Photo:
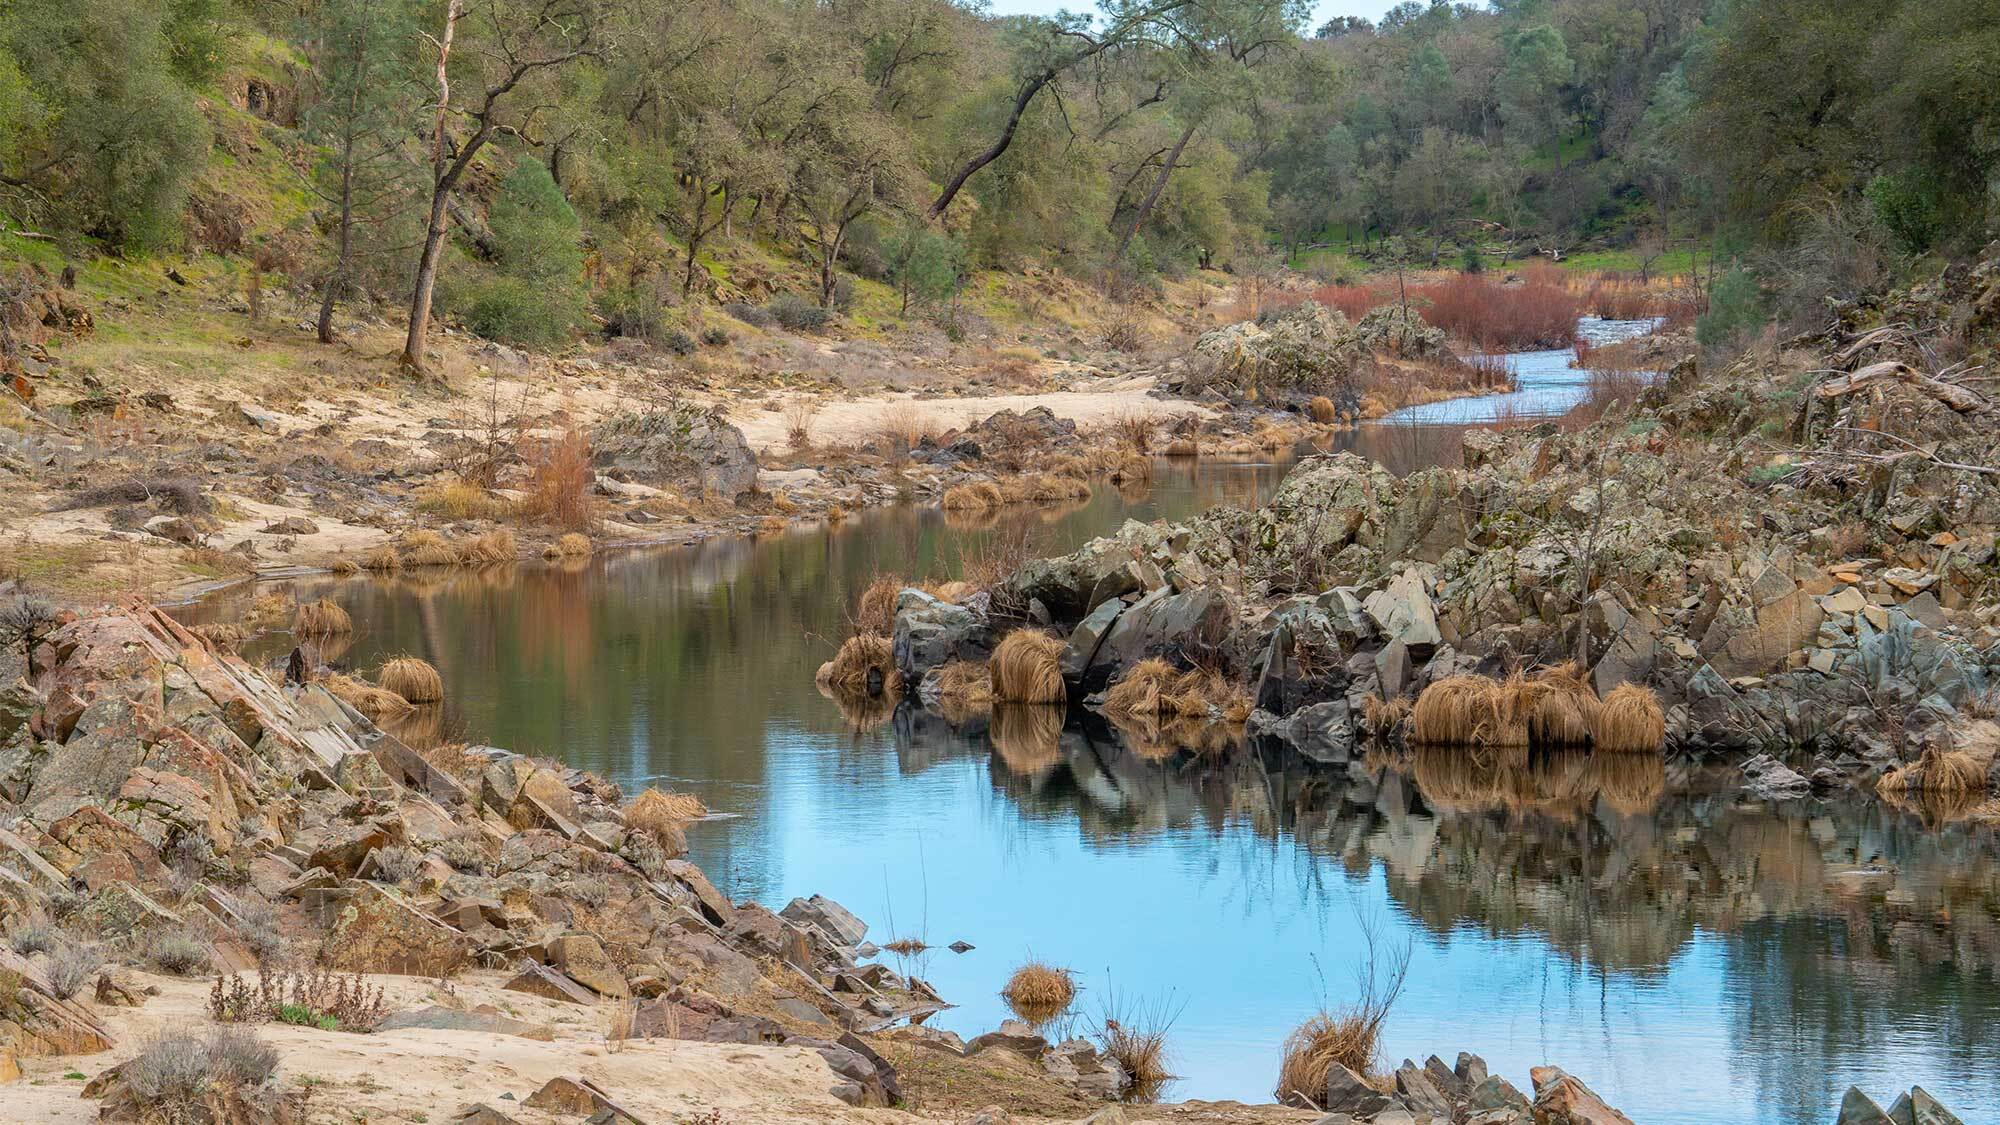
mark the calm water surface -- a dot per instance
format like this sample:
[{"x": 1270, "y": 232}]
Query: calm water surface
[{"x": 1694, "y": 955}]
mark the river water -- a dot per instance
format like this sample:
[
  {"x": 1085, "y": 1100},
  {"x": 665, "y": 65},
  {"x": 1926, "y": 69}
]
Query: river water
[{"x": 1694, "y": 955}]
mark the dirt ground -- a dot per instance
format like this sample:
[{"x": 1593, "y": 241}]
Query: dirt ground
[{"x": 412, "y": 1075}]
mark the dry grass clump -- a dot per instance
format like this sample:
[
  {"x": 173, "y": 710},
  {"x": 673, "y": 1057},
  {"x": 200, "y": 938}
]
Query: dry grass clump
[
  {"x": 1054, "y": 487},
  {"x": 875, "y": 609},
  {"x": 1380, "y": 717},
  {"x": 1630, "y": 721},
  {"x": 560, "y": 479},
  {"x": 1322, "y": 410},
  {"x": 1182, "y": 447},
  {"x": 1038, "y": 991},
  {"x": 1027, "y": 668},
  {"x": 1315, "y": 1046},
  {"x": 382, "y": 560},
  {"x": 1132, "y": 468},
  {"x": 463, "y": 500},
  {"x": 977, "y": 496},
  {"x": 413, "y": 679},
  {"x": 484, "y": 550},
  {"x": 574, "y": 545},
  {"x": 864, "y": 666},
  {"x": 964, "y": 691},
  {"x": 953, "y": 591},
  {"x": 1937, "y": 771},
  {"x": 221, "y": 636},
  {"x": 1452, "y": 710},
  {"x": 1135, "y": 431},
  {"x": 321, "y": 619},
  {"x": 1564, "y": 712},
  {"x": 372, "y": 701},
  {"x": 427, "y": 548},
  {"x": 1026, "y": 736},
  {"x": 1155, "y": 689},
  {"x": 666, "y": 817},
  {"x": 344, "y": 567}
]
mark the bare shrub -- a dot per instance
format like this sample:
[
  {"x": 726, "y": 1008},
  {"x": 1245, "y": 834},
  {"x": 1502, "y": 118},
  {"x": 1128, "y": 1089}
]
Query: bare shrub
[
  {"x": 178, "y": 954},
  {"x": 560, "y": 480},
  {"x": 1135, "y": 1034},
  {"x": 71, "y": 965},
  {"x": 32, "y": 937},
  {"x": 180, "y": 1067},
  {"x": 316, "y": 997},
  {"x": 1348, "y": 1037},
  {"x": 397, "y": 864},
  {"x": 799, "y": 415}
]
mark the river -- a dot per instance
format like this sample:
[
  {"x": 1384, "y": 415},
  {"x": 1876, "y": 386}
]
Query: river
[{"x": 1694, "y": 955}]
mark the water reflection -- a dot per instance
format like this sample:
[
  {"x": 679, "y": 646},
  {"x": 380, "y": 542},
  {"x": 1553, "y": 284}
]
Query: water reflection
[{"x": 1696, "y": 956}]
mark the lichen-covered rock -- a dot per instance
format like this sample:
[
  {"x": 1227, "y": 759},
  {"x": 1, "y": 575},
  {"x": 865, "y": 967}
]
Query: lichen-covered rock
[{"x": 691, "y": 449}]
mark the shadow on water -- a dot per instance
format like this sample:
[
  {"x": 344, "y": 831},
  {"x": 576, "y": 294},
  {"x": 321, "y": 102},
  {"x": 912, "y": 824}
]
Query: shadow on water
[{"x": 1697, "y": 957}]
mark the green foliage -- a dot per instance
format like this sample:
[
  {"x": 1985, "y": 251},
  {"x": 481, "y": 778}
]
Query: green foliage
[
  {"x": 537, "y": 298},
  {"x": 926, "y": 266},
  {"x": 198, "y": 35},
  {"x": 109, "y": 136},
  {"x": 1735, "y": 309},
  {"x": 1908, "y": 207},
  {"x": 298, "y": 1015}
]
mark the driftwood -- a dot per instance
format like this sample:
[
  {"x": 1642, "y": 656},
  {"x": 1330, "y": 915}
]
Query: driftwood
[
  {"x": 1911, "y": 451},
  {"x": 1959, "y": 398}
]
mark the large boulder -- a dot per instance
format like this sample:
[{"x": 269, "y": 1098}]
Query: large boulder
[
  {"x": 688, "y": 448},
  {"x": 1163, "y": 623},
  {"x": 1070, "y": 586},
  {"x": 1309, "y": 349},
  {"x": 930, "y": 631},
  {"x": 375, "y": 929}
]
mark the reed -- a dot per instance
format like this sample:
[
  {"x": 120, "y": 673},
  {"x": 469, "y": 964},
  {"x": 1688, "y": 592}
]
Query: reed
[
  {"x": 413, "y": 679},
  {"x": 1027, "y": 668}
]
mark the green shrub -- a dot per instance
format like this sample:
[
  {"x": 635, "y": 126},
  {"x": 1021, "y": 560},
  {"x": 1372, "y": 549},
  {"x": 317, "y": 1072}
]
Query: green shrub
[
  {"x": 715, "y": 337},
  {"x": 677, "y": 342},
  {"x": 510, "y": 310},
  {"x": 1735, "y": 309}
]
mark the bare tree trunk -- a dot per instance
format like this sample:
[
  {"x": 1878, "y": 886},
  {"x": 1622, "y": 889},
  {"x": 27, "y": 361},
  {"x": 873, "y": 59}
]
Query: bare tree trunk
[
  {"x": 1153, "y": 193},
  {"x": 441, "y": 185},
  {"x": 338, "y": 277}
]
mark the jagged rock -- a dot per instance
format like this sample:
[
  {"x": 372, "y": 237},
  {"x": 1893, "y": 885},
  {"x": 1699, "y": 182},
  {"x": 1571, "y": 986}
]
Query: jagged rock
[
  {"x": 688, "y": 448},
  {"x": 1403, "y": 612},
  {"x": 1857, "y": 1108},
  {"x": 832, "y": 919},
  {"x": 1163, "y": 623},
  {"x": 1492, "y": 1092},
  {"x": 1415, "y": 1086},
  {"x": 377, "y": 930},
  {"x": 1071, "y": 585},
  {"x": 581, "y": 957},
  {"x": 1347, "y": 1092},
  {"x": 1774, "y": 780},
  {"x": 40, "y": 1025},
  {"x": 930, "y": 632},
  {"x": 539, "y": 980},
  {"x": 1563, "y": 1099},
  {"x": 1011, "y": 1035},
  {"x": 1323, "y": 732}
]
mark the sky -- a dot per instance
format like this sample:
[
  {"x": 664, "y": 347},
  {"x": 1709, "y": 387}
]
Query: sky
[{"x": 1322, "y": 12}]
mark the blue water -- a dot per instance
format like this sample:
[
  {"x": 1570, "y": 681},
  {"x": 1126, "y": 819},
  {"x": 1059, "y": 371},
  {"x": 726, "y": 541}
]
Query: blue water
[
  {"x": 1694, "y": 956},
  {"x": 1546, "y": 383}
]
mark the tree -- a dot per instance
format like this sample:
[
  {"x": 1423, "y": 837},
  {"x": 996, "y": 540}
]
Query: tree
[
  {"x": 846, "y": 167},
  {"x": 365, "y": 95},
  {"x": 1048, "y": 49},
  {"x": 537, "y": 297},
  {"x": 512, "y": 43},
  {"x": 1538, "y": 64},
  {"x": 927, "y": 267},
  {"x": 109, "y": 138},
  {"x": 1435, "y": 185}
]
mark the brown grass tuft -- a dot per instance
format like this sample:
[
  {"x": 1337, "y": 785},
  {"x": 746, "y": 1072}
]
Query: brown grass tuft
[
  {"x": 875, "y": 609},
  {"x": 1630, "y": 721},
  {"x": 560, "y": 479},
  {"x": 1380, "y": 717},
  {"x": 1322, "y": 410},
  {"x": 221, "y": 636},
  {"x": 964, "y": 692},
  {"x": 1451, "y": 711},
  {"x": 1183, "y": 447},
  {"x": 1027, "y": 668},
  {"x": 382, "y": 560},
  {"x": 1038, "y": 992},
  {"x": 484, "y": 550},
  {"x": 413, "y": 679},
  {"x": 1937, "y": 771},
  {"x": 321, "y": 619},
  {"x": 1312, "y": 1049},
  {"x": 372, "y": 701},
  {"x": 977, "y": 496},
  {"x": 344, "y": 567},
  {"x": 1564, "y": 712},
  {"x": 864, "y": 666},
  {"x": 665, "y": 815}
]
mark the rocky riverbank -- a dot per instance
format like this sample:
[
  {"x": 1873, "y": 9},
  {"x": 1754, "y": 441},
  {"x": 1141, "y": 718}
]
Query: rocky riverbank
[
  {"x": 1797, "y": 555},
  {"x": 186, "y": 846}
]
